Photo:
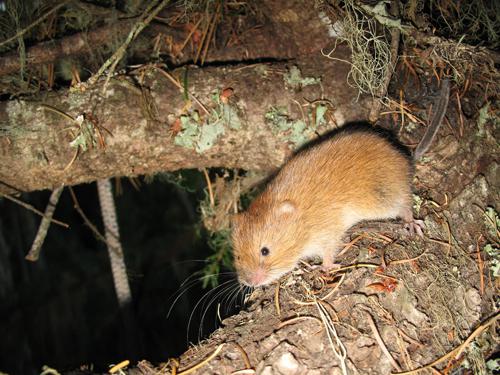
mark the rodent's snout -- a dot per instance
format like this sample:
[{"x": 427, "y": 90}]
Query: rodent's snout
[{"x": 254, "y": 278}]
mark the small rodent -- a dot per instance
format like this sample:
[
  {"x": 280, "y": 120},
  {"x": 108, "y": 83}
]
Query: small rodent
[{"x": 355, "y": 175}]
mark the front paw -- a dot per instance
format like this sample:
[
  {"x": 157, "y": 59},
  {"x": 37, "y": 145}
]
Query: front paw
[
  {"x": 415, "y": 227},
  {"x": 329, "y": 265}
]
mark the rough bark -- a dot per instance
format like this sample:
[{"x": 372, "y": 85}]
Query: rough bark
[{"x": 36, "y": 151}]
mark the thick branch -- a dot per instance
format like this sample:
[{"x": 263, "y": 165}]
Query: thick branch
[
  {"x": 276, "y": 32},
  {"x": 51, "y": 51},
  {"x": 36, "y": 151}
]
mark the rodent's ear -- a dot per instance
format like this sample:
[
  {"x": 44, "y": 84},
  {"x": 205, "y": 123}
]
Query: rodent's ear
[{"x": 286, "y": 207}]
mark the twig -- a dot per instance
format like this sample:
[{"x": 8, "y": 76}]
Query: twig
[
  {"x": 53, "y": 50},
  {"x": 448, "y": 230},
  {"x": 202, "y": 363},
  {"x": 203, "y": 38},
  {"x": 147, "y": 16},
  {"x": 409, "y": 338},
  {"x": 357, "y": 265},
  {"x": 334, "y": 289},
  {"x": 92, "y": 227},
  {"x": 480, "y": 265},
  {"x": 384, "y": 238},
  {"x": 458, "y": 350},
  {"x": 193, "y": 30},
  {"x": 119, "y": 367},
  {"x": 381, "y": 342},
  {"x": 277, "y": 299},
  {"x": 339, "y": 349},
  {"x": 244, "y": 354},
  {"x": 213, "y": 25},
  {"x": 33, "y": 24},
  {"x": 60, "y": 113},
  {"x": 401, "y": 108},
  {"x": 402, "y": 261},
  {"x": 444, "y": 243},
  {"x": 492, "y": 222},
  {"x": 209, "y": 186},
  {"x": 174, "y": 81},
  {"x": 460, "y": 115},
  {"x": 351, "y": 244},
  {"x": 33, "y": 209},
  {"x": 36, "y": 247},
  {"x": 298, "y": 319}
]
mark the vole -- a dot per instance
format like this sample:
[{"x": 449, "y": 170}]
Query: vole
[{"x": 357, "y": 174}]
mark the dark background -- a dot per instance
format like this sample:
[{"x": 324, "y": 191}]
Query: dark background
[{"x": 62, "y": 311}]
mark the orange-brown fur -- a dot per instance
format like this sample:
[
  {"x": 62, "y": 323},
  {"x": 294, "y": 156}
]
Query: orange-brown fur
[{"x": 315, "y": 198}]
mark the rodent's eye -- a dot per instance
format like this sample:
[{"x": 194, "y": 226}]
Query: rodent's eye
[{"x": 264, "y": 251}]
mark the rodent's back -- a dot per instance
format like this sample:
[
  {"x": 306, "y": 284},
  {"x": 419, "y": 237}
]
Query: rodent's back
[{"x": 355, "y": 171}]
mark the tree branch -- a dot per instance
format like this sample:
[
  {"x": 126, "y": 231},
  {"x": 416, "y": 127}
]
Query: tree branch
[{"x": 136, "y": 128}]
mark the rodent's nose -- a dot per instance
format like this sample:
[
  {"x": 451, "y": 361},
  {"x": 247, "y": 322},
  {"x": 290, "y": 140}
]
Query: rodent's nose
[{"x": 257, "y": 277}]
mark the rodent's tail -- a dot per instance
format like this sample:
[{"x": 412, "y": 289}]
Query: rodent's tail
[{"x": 437, "y": 119}]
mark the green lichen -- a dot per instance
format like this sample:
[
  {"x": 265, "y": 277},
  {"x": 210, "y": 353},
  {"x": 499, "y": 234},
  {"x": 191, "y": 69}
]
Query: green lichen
[
  {"x": 379, "y": 11},
  {"x": 225, "y": 111},
  {"x": 202, "y": 135},
  {"x": 190, "y": 132},
  {"x": 417, "y": 203},
  {"x": 295, "y": 131},
  {"x": 85, "y": 137},
  {"x": 494, "y": 263},
  {"x": 278, "y": 118},
  {"x": 295, "y": 80},
  {"x": 230, "y": 116},
  {"x": 299, "y": 133},
  {"x": 208, "y": 136},
  {"x": 22, "y": 120},
  {"x": 493, "y": 365},
  {"x": 320, "y": 115},
  {"x": 483, "y": 118},
  {"x": 492, "y": 221},
  {"x": 262, "y": 70}
]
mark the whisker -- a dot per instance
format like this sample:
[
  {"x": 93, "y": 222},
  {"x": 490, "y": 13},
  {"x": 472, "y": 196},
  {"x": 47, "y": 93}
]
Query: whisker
[
  {"x": 202, "y": 300},
  {"x": 223, "y": 288},
  {"x": 187, "y": 284},
  {"x": 234, "y": 297}
]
